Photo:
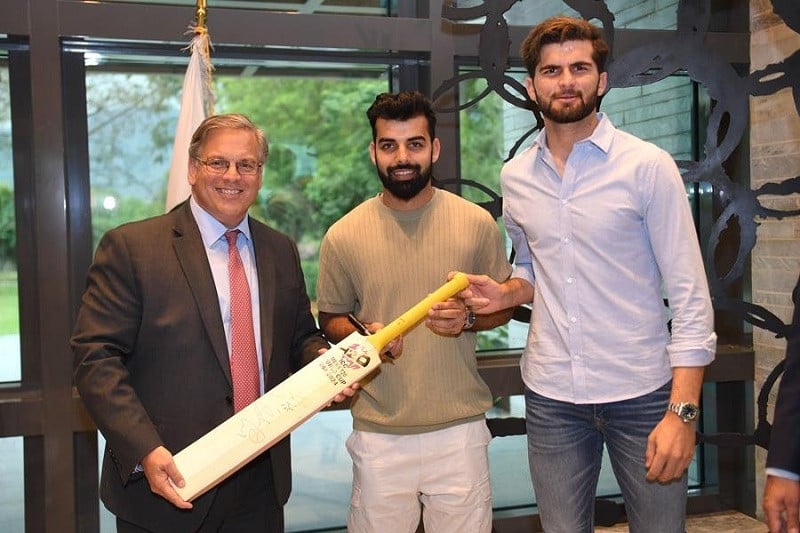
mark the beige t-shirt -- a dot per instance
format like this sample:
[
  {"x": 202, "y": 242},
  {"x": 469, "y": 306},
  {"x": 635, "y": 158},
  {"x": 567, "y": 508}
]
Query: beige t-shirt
[{"x": 377, "y": 263}]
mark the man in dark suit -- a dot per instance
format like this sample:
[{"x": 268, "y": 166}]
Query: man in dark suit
[
  {"x": 782, "y": 490},
  {"x": 152, "y": 341}
]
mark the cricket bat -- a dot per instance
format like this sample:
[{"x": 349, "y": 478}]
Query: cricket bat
[{"x": 232, "y": 444}]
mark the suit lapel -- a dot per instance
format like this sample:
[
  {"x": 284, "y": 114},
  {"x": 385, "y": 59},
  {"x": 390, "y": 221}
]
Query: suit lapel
[
  {"x": 265, "y": 265},
  {"x": 192, "y": 257}
]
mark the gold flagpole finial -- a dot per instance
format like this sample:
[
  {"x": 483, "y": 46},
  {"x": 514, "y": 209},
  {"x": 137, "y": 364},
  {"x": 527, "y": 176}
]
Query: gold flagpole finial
[{"x": 200, "y": 14}]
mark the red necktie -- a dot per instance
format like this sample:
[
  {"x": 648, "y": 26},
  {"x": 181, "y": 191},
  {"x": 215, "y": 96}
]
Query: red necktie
[{"x": 244, "y": 361}]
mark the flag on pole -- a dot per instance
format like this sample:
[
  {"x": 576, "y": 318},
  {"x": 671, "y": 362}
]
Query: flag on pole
[{"x": 197, "y": 102}]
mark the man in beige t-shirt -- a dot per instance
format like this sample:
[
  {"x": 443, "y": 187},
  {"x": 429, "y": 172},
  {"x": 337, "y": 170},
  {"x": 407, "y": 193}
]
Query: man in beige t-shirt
[{"x": 419, "y": 441}]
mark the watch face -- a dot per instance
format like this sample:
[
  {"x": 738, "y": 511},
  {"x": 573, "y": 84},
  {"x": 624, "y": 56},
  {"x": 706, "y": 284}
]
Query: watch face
[
  {"x": 470, "y": 319},
  {"x": 688, "y": 411}
]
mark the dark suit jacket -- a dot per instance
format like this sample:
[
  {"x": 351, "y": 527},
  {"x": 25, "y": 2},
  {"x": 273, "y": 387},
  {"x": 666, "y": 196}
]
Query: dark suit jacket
[
  {"x": 151, "y": 355},
  {"x": 784, "y": 446}
]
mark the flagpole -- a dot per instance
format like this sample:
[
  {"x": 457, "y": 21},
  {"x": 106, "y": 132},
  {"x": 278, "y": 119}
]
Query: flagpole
[
  {"x": 200, "y": 30},
  {"x": 200, "y": 13}
]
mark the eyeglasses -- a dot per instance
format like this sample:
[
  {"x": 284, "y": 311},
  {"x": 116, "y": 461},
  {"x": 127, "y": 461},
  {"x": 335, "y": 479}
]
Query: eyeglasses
[{"x": 219, "y": 166}]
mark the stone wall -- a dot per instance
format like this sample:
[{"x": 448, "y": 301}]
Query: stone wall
[{"x": 774, "y": 157}]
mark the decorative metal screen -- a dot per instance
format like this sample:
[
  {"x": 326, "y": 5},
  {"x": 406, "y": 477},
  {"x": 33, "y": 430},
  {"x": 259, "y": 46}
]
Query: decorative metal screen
[{"x": 681, "y": 50}]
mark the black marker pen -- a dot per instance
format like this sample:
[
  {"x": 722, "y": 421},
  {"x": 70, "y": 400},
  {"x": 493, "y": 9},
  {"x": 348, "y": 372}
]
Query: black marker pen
[{"x": 362, "y": 329}]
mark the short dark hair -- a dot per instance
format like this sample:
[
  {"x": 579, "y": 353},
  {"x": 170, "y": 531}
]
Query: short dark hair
[
  {"x": 233, "y": 121},
  {"x": 557, "y": 30},
  {"x": 402, "y": 106}
]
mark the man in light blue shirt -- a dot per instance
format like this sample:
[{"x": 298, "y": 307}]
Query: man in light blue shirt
[{"x": 602, "y": 232}]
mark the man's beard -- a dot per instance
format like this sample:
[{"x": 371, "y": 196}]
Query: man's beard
[
  {"x": 568, "y": 115},
  {"x": 409, "y": 188}
]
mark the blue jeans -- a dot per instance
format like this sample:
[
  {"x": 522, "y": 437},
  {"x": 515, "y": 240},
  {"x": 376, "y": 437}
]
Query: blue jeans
[{"x": 565, "y": 450}]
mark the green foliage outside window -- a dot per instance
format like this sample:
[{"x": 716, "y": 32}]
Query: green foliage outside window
[
  {"x": 8, "y": 230},
  {"x": 319, "y": 167},
  {"x": 481, "y": 140}
]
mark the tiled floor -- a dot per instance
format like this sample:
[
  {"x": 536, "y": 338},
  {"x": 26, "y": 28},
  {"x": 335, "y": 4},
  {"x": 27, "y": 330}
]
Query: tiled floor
[{"x": 723, "y": 522}]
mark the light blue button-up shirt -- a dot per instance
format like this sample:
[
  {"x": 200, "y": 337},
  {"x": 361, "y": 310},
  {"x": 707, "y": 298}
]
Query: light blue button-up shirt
[
  {"x": 603, "y": 245},
  {"x": 212, "y": 232}
]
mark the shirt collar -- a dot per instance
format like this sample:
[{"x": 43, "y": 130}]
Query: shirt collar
[
  {"x": 603, "y": 134},
  {"x": 211, "y": 229},
  {"x": 601, "y": 137}
]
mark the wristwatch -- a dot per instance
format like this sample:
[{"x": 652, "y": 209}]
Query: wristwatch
[
  {"x": 687, "y": 411},
  {"x": 470, "y": 319}
]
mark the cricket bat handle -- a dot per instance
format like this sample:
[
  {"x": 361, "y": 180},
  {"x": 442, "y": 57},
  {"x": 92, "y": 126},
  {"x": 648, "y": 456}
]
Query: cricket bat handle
[{"x": 406, "y": 321}]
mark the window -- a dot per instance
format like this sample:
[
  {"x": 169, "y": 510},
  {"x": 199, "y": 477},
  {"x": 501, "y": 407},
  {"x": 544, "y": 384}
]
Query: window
[
  {"x": 12, "y": 485},
  {"x": 318, "y": 167},
  {"x": 10, "y": 369}
]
